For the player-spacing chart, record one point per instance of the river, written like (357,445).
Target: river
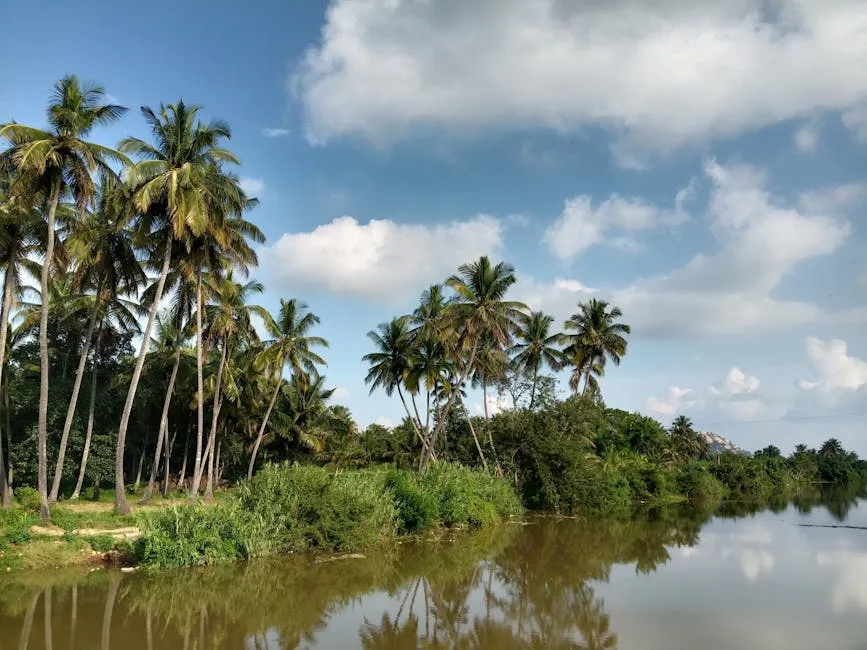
(669,579)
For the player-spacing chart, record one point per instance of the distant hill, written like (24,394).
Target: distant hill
(718,444)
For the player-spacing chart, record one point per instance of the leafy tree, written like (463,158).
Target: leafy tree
(536,348)
(597,337)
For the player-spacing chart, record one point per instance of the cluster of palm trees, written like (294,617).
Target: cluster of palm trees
(465,332)
(113,235)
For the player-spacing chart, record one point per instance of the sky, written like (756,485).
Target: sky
(701,165)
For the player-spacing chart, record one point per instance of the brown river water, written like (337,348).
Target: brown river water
(668,579)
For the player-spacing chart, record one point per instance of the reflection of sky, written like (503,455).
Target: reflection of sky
(759,582)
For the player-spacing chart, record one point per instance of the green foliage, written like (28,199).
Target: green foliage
(101,543)
(290,508)
(15,525)
(28,498)
(699,485)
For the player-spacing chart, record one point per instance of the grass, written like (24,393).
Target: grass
(293,508)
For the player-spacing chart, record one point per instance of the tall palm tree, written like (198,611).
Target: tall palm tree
(229,320)
(61,160)
(174,184)
(290,344)
(479,313)
(22,234)
(688,443)
(390,364)
(536,348)
(597,337)
(106,264)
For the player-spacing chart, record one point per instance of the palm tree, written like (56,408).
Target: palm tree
(390,365)
(229,320)
(175,182)
(598,337)
(479,314)
(60,160)
(304,401)
(536,348)
(106,263)
(687,442)
(290,344)
(22,233)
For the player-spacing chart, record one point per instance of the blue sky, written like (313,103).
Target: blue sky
(703,166)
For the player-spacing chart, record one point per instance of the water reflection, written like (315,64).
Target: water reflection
(546,584)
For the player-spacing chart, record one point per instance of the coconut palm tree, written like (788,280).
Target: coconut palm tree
(229,321)
(106,264)
(688,443)
(59,160)
(536,348)
(479,316)
(175,184)
(290,345)
(598,337)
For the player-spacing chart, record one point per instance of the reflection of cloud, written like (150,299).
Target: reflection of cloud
(850,586)
(753,562)
(749,549)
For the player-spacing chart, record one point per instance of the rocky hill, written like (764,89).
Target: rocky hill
(718,444)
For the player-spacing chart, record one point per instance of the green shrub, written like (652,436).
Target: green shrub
(416,508)
(468,496)
(101,543)
(15,525)
(190,535)
(28,498)
(698,485)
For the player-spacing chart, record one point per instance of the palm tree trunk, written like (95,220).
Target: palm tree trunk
(6,496)
(497,467)
(48,639)
(120,504)
(212,438)
(73,400)
(90,416)
(261,433)
(183,473)
(27,626)
(426,447)
(164,428)
(42,420)
(453,396)
(476,440)
(141,458)
(533,389)
(108,612)
(167,470)
(7,488)
(200,393)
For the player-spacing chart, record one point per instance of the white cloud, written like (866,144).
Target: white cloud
(834,369)
(657,74)
(735,383)
(275,132)
(678,400)
(384,422)
(581,225)
(737,395)
(496,404)
(807,138)
(832,199)
(253,187)
(340,394)
(729,291)
(380,259)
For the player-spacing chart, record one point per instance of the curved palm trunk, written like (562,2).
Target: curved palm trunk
(200,383)
(533,389)
(5,483)
(425,443)
(27,626)
(42,420)
(7,488)
(73,401)
(108,613)
(476,439)
(90,416)
(212,438)
(452,397)
(167,469)
(120,504)
(497,467)
(264,424)
(164,428)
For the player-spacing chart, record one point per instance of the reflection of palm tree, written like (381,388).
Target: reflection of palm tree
(24,640)
(594,623)
(390,635)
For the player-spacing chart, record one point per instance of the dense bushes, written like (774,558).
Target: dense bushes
(292,508)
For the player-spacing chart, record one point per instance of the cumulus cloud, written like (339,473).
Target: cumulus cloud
(760,240)
(856,121)
(656,74)
(384,422)
(340,394)
(380,259)
(678,400)
(276,132)
(834,369)
(253,187)
(581,225)
(737,394)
